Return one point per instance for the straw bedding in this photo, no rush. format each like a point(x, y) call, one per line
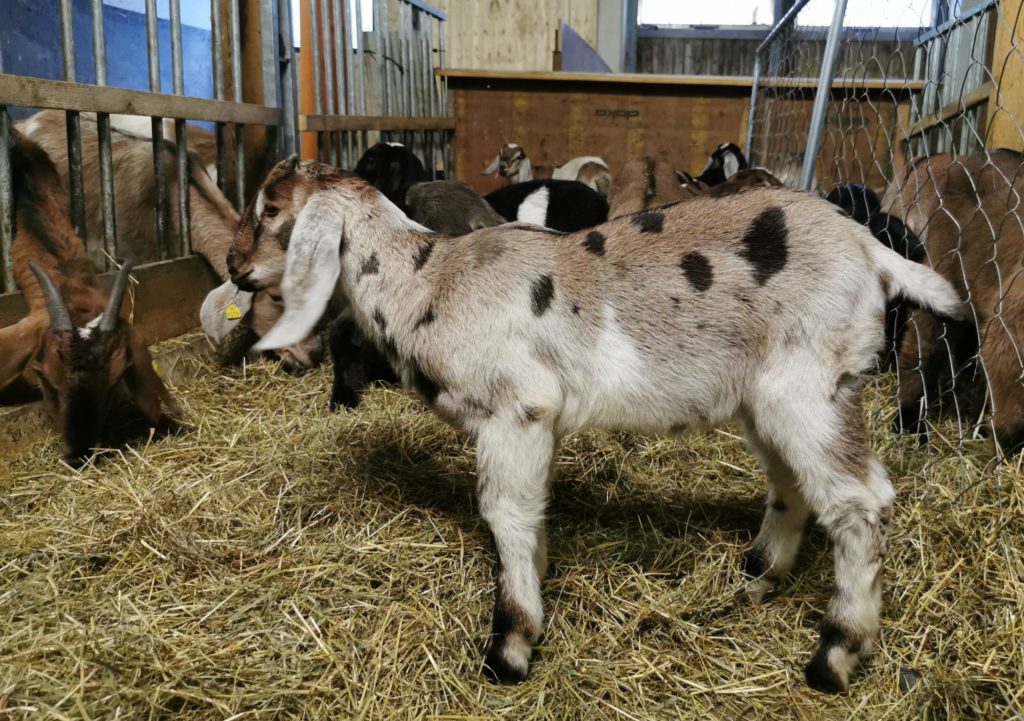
point(280, 561)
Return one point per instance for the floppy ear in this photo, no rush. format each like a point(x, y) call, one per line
point(493, 167)
point(18, 344)
point(148, 391)
point(311, 271)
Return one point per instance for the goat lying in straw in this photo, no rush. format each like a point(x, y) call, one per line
point(670, 319)
point(86, 350)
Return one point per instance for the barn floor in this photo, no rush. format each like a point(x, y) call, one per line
point(282, 561)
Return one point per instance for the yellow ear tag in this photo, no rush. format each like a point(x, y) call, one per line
point(232, 312)
point(157, 369)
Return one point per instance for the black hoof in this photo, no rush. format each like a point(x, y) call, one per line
point(343, 398)
point(820, 676)
point(754, 563)
point(497, 670)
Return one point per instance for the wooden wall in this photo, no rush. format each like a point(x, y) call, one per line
point(510, 35)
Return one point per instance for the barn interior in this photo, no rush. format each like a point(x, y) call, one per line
point(259, 549)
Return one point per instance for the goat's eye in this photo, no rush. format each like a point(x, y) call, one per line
point(270, 212)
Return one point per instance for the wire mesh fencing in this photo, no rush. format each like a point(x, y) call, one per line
point(917, 130)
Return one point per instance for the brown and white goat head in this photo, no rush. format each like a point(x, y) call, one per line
point(257, 254)
point(81, 361)
point(507, 162)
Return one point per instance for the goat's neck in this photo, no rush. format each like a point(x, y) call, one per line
point(380, 274)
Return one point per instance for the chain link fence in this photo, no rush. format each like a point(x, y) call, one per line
point(917, 128)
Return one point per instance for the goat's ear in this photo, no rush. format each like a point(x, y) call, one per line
point(493, 167)
point(293, 163)
point(18, 345)
point(310, 273)
point(148, 391)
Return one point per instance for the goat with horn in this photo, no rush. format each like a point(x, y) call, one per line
point(74, 346)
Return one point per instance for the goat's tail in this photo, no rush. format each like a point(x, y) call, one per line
point(917, 283)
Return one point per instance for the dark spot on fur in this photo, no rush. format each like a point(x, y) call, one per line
point(702, 326)
point(575, 309)
point(425, 385)
point(380, 320)
point(424, 254)
point(531, 414)
point(542, 292)
point(779, 506)
point(649, 221)
point(595, 242)
point(745, 300)
point(764, 244)
point(697, 269)
point(426, 319)
point(675, 301)
point(371, 266)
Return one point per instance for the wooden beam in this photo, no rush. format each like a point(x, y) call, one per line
point(1006, 107)
point(902, 84)
point(952, 110)
point(166, 299)
point(62, 95)
point(320, 123)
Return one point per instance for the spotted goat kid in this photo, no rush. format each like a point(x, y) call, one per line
point(763, 307)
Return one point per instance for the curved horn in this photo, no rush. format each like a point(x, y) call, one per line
point(60, 319)
point(110, 315)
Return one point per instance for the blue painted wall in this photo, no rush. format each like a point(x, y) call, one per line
point(30, 42)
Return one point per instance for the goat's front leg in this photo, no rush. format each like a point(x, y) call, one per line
point(515, 464)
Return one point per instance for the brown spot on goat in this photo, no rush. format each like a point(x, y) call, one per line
point(697, 269)
point(649, 221)
point(542, 292)
point(594, 242)
point(764, 244)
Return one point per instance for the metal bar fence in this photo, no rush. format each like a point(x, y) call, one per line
point(907, 133)
point(277, 114)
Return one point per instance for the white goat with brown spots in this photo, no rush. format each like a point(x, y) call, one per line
point(764, 307)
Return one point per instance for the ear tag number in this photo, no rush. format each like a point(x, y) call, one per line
point(232, 312)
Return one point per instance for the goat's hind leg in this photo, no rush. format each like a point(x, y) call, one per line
point(824, 442)
point(515, 461)
point(773, 552)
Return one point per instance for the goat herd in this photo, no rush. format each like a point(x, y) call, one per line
point(651, 300)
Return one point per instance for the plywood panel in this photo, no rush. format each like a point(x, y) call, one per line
point(556, 121)
point(512, 34)
point(1006, 110)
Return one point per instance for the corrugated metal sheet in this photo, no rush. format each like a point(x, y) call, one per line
point(512, 35)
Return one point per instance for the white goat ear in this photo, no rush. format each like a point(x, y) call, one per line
point(493, 167)
point(311, 271)
point(731, 165)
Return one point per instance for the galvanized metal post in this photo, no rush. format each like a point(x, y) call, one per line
point(752, 116)
point(317, 55)
point(74, 124)
point(103, 138)
point(180, 135)
point(288, 98)
point(823, 96)
point(236, 95)
point(159, 167)
point(361, 71)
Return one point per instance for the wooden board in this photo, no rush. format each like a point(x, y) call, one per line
point(62, 95)
point(511, 34)
point(1006, 107)
point(166, 299)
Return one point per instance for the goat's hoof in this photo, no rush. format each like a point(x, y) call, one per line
point(343, 399)
point(829, 669)
point(508, 660)
point(755, 591)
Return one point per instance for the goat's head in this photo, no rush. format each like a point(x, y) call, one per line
point(257, 254)
point(507, 162)
point(391, 168)
point(726, 160)
point(81, 359)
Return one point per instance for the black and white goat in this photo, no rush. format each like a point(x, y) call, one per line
point(687, 316)
point(512, 163)
point(565, 205)
point(724, 162)
point(861, 203)
point(392, 169)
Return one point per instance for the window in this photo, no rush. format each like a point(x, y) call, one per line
point(870, 13)
point(719, 12)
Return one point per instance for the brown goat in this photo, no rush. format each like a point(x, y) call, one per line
point(966, 211)
point(86, 349)
point(644, 183)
